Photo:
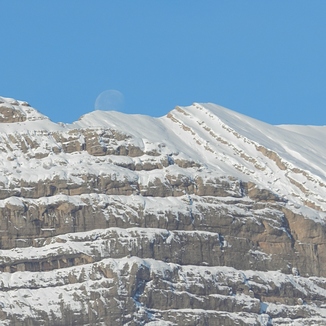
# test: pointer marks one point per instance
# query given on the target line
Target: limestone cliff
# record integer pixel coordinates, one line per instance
(201, 217)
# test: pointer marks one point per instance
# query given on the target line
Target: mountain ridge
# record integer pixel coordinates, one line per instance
(243, 146)
(203, 216)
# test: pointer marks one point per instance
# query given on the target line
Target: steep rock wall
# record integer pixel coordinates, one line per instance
(100, 226)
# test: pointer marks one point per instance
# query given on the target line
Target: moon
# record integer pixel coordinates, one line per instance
(110, 100)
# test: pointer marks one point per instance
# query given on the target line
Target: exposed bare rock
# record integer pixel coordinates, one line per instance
(202, 217)
(9, 114)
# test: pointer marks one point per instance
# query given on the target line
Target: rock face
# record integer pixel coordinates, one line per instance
(201, 217)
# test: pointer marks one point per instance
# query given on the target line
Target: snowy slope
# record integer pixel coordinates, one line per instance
(203, 214)
(288, 160)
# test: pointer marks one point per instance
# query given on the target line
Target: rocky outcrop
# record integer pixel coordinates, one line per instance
(189, 223)
(9, 115)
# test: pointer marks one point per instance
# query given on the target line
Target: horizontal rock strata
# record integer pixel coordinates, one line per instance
(186, 222)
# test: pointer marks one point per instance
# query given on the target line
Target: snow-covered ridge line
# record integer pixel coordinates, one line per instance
(255, 150)
(132, 220)
(13, 111)
(202, 135)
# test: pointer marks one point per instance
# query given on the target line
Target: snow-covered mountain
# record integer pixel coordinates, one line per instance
(201, 217)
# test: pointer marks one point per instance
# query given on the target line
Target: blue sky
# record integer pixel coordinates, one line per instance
(265, 59)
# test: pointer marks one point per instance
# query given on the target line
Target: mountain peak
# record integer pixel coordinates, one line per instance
(202, 216)
(12, 111)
